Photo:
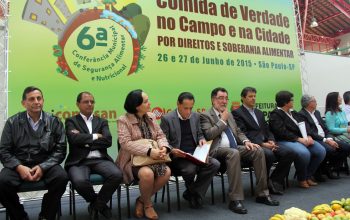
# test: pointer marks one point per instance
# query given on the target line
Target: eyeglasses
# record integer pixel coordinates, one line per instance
(222, 98)
(88, 101)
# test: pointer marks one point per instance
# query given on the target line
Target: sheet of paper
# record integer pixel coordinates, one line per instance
(302, 129)
(201, 152)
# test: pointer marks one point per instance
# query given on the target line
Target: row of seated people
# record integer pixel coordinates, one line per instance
(33, 145)
(247, 137)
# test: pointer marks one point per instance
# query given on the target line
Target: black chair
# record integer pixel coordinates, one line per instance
(344, 167)
(95, 179)
(35, 186)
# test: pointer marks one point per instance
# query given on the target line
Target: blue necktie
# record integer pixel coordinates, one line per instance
(231, 138)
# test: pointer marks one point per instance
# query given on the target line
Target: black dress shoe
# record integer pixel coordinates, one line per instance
(106, 212)
(187, 195)
(93, 212)
(267, 200)
(275, 188)
(237, 206)
(331, 176)
(196, 202)
(319, 178)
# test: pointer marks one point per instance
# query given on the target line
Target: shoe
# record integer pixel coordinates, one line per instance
(303, 184)
(310, 182)
(106, 212)
(187, 195)
(331, 176)
(267, 200)
(196, 202)
(139, 208)
(319, 178)
(150, 213)
(275, 188)
(93, 212)
(237, 206)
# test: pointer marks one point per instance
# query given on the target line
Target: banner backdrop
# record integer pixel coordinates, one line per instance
(110, 47)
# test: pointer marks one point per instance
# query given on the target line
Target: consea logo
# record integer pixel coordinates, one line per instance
(159, 112)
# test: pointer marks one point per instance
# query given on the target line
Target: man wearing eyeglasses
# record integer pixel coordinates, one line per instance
(89, 137)
(229, 146)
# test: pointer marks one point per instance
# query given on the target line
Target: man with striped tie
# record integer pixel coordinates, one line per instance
(229, 146)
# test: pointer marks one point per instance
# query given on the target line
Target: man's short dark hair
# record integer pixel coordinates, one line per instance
(283, 97)
(30, 89)
(132, 100)
(80, 95)
(346, 97)
(246, 90)
(216, 90)
(185, 95)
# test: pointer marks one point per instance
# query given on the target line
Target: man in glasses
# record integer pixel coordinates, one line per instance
(89, 137)
(229, 146)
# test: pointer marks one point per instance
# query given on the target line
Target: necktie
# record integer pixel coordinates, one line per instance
(231, 138)
(229, 134)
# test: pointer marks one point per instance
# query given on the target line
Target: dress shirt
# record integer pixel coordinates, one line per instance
(180, 117)
(88, 122)
(320, 130)
(224, 142)
(35, 125)
(289, 115)
(346, 109)
(252, 113)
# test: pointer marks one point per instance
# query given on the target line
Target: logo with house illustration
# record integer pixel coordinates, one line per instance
(96, 41)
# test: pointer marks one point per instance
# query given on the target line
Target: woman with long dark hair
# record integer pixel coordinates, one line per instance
(336, 121)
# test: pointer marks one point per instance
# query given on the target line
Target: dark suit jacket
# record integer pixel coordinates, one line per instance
(212, 128)
(257, 134)
(283, 127)
(81, 144)
(170, 125)
(312, 126)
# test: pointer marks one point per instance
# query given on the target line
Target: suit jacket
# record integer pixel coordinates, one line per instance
(257, 133)
(212, 128)
(170, 125)
(312, 126)
(81, 144)
(128, 133)
(283, 127)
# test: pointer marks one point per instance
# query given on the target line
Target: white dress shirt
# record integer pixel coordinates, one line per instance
(346, 109)
(320, 130)
(88, 122)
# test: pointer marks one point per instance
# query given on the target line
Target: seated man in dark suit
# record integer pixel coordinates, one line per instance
(336, 151)
(88, 138)
(182, 129)
(32, 147)
(252, 122)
